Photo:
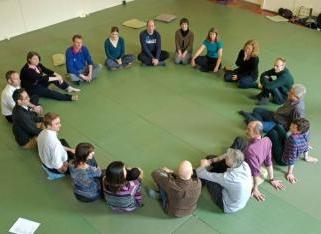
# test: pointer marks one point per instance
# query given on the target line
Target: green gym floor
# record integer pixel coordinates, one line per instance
(155, 117)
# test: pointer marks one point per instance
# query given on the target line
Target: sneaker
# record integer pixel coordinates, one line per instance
(74, 98)
(71, 89)
(262, 101)
(153, 193)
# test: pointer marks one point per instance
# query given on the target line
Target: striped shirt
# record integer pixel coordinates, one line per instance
(295, 145)
(127, 199)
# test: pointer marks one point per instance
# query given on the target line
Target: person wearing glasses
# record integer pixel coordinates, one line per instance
(115, 51)
(275, 84)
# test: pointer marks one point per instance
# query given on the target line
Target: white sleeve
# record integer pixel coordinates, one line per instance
(202, 173)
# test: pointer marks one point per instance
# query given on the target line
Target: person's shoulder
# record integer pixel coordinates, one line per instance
(142, 33)
(266, 140)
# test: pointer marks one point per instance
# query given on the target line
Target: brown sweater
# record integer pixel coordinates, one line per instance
(184, 43)
(182, 194)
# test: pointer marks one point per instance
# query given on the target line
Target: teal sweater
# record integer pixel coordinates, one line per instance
(115, 52)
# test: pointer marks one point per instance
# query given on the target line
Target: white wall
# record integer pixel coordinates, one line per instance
(294, 5)
(21, 16)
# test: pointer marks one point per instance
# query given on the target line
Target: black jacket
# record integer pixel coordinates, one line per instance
(24, 124)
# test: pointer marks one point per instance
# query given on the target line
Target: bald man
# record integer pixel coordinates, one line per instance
(179, 190)
(258, 153)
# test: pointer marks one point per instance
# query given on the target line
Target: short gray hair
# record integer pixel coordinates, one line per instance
(258, 126)
(299, 90)
(236, 155)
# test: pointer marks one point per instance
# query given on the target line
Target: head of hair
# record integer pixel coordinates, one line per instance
(212, 30)
(49, 117)
(114, 29)
(299, 90)
(82, 151)
(257, 127)
(17, 95)
(236, 155)
(184, 20)
(255, 46)
(76, 36)
(150, 20)
(115, 178)
(302, 124)
(9, 74)
(283, 60)
(30, 54)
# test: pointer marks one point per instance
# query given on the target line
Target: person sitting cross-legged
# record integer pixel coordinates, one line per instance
(259, 153)
(151, 47)
(287, 149)
(26, 124)
(231, 189)
(179, 190)
(79, 63)
(53, 152)
(246, 74)
(115, 51)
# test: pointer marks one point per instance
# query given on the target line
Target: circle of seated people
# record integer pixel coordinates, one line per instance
(231, 178)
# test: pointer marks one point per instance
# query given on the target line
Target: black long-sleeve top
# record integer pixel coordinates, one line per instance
(248, 67)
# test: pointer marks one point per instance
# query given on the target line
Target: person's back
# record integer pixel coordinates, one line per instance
(237, 188)
(182, 196)
(126, 199)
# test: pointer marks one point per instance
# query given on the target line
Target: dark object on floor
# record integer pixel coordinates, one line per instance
(286, 13)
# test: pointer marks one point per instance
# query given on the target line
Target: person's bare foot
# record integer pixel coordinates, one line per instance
(311, 159)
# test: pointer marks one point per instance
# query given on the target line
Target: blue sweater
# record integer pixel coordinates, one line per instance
(151, 44)
(77, 62)
(115, 52)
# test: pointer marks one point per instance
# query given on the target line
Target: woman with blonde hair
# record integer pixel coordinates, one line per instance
(247, 61)
(214, 46)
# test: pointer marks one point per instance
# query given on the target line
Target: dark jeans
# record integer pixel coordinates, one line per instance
(243, 82)
(215, 191)
(263, 115)
(164, 198)
(86, 199)
(206, 63)
(145, 59)
(279, 96)
(277, 136)
(44, 91)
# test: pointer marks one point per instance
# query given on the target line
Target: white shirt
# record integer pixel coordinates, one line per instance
(7, 102)
(236, 182)
(51, 151)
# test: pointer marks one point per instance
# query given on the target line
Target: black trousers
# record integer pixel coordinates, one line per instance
(206, 63)
(145, 59)
(277, 136)
(279, 96)
(43, 91)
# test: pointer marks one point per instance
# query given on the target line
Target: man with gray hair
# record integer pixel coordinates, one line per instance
(179, 190)
(232, 189)
(293, 108)
(259, 153)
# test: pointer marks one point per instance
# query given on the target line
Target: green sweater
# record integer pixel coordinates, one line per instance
(283, 81)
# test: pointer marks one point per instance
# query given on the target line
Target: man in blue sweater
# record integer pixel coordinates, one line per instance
(150, 41)
(79, 62)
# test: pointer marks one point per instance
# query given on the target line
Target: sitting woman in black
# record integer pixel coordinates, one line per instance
(36, 78)
(247, 61)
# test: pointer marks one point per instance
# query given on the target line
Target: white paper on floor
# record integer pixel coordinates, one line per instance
(24, 226)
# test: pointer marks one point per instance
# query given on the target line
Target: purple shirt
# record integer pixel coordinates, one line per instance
(257, 153)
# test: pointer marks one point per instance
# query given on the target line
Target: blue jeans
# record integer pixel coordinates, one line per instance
(243, 82)
(164, 198)
(95, 72)
(126, 60)
(262, 115)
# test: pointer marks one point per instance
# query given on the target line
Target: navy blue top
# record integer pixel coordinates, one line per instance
(150, 43)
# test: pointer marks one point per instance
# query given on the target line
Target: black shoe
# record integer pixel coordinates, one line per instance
(77, 82)
(263, 101)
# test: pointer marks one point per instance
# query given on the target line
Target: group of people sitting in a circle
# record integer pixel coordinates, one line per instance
(231, 178)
